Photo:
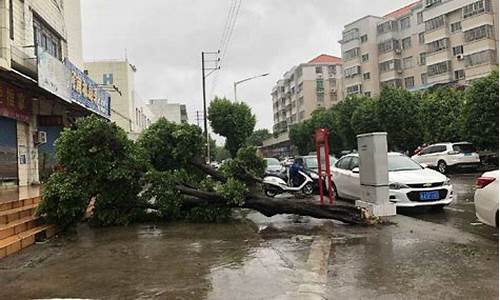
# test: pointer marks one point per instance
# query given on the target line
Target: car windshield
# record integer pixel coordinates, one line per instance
(272, 162)
(402, 163)
(312, 162)
(464, 148)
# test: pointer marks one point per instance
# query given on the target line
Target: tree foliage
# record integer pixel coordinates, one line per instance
(234, 121)
(100, 162)
(410, 119)
(481, 112)
(258, 137)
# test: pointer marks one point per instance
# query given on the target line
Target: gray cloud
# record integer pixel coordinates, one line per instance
(164, 39)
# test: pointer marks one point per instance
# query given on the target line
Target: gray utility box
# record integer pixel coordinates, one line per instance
(374, 174)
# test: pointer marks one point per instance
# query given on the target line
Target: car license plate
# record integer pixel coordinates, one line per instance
(434, 195)
(467, 154)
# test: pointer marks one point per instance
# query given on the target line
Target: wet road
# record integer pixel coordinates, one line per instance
(460, 213)
(424, 255)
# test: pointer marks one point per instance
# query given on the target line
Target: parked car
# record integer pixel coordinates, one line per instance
(410, 184)
(486, 198)
(311, 162)
(273, 166)
(446, 156)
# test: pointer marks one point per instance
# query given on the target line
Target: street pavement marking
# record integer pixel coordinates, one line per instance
(314, 278)
(454, 209)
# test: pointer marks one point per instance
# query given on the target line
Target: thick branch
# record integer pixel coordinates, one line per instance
(274, 206)
(209, 170)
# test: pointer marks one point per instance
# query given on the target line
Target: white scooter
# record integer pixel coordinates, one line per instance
(274, 185)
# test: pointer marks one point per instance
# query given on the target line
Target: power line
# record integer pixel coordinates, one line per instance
(231, 20)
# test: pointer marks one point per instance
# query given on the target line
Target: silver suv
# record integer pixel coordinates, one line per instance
(444, 156)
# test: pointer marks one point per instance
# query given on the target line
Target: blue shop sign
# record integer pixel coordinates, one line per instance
(87, 93)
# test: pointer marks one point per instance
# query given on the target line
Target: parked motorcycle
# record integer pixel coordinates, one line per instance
(275, 185)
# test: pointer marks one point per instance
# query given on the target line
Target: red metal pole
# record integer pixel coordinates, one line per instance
(318, 156)
(328, 171)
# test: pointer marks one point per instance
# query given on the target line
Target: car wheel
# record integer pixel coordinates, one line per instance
(308, 189)
(442, 166)
(335, 193)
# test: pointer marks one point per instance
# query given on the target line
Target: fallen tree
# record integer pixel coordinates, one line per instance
(163, 175)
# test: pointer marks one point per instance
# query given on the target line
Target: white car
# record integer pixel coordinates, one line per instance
(486, 198)
(410, 184)
(444, 156)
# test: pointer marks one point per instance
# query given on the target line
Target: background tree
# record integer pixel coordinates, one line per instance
(441, 115)
(398, 112)
(258, 137)
(481, 112)
(364, 119)
(234, 121)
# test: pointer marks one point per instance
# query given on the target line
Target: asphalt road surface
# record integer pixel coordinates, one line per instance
(461, 213)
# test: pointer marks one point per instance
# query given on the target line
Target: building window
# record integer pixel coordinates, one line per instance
(320, 97)
(423, 58)
(459, 74)
(390, 65)
(437, 45)
(408, 62)
(404, 23)
(11, 19)
(423, 78)
(319, 70)
(458, 50)
(420, 18)
(409, 82)
(332, 70)
(457, 26)
(354, 89)
(364, 38)
(406, 43)
(350, 54)
(364, 57)
(393, 82)
(350, 35)
(485, 31)
(429, 3)
(486, 56)
(421, 38)
(320, 88)
(46, 39)
(352, 71)
(476, 8)
(107, 79)
(388, 45)
(366, 76)
(439, 68)
(434, 23)
(387, 27)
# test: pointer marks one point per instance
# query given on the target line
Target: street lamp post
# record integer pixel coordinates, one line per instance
(244, 80)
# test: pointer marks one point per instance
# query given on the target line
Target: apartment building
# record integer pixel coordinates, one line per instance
(305, 88)
(41, 90)
(173, 112)
(420, 45)
(461, 38)
(118, 78)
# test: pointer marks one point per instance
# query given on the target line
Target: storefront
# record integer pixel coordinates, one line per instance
(15, 110)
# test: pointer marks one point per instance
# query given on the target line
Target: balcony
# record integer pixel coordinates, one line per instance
(438, 56)
(477, 20)
(437, 34)
(479, 45)
(24, 61)
(478, 71)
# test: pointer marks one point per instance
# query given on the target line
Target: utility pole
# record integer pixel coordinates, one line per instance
(203, 77)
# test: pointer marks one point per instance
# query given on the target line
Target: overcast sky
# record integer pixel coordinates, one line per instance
(164, 39)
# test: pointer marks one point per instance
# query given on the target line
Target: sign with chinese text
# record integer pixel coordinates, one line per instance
(14, 102)
(53, 75)
(87, 93)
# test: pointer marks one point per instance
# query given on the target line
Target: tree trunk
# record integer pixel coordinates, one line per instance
(275, 206)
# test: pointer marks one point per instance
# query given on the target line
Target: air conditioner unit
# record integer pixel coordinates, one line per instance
(40, 137)
(460, 57)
